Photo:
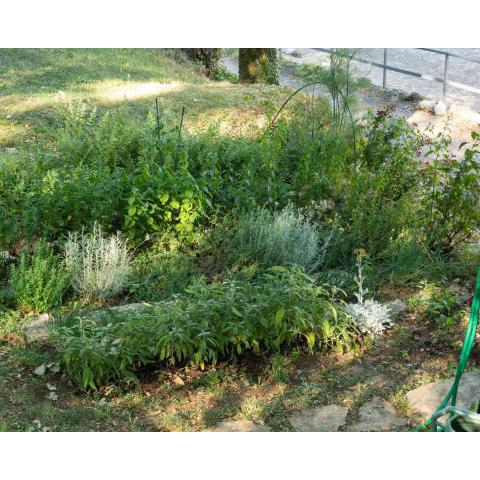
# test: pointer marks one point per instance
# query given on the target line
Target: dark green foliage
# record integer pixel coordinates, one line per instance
(161, 271)
(209, 58)
(452, 200)
(39, 280)
(208, 323)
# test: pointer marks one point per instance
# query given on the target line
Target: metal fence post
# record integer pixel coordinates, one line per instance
(384, 69)
(445, 76)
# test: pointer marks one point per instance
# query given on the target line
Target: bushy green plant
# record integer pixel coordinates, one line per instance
(206, 324)
(384, 186)
(39, 280)
(279, 238)
(98, 266)
(160, 271)
(11, 322)
(452, 197)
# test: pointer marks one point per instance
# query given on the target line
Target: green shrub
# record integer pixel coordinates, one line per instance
(279, 238)
(11, 322)
(209, 58)
(98, 266)
(379, 206)
(451, 211)
(39, 280)
(206, 324)
(160, 272)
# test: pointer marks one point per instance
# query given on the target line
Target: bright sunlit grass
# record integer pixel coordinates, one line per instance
(35, 83)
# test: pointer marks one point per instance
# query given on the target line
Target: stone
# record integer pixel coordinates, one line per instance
(440, 108)
(324, 419)
(377, 415)
(178, 381)
(398, 306)
(240, 426)
(37, 327)
(427, 398)
(130, 307)
(6, 257)
(427, 105)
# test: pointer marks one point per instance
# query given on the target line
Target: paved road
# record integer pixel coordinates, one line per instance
(418, 61)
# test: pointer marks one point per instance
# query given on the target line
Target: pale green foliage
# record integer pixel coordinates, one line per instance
(370, 316)
(99, 266)
(280, 238)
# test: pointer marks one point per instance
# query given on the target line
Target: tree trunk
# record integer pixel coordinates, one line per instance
(208, 57)
(257, 65)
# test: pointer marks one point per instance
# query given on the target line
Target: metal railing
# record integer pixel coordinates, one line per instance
(445, 81)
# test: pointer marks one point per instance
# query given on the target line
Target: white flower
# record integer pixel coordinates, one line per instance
(52, 396)
(40, 370)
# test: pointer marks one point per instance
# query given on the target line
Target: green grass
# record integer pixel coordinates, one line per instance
(34, 83)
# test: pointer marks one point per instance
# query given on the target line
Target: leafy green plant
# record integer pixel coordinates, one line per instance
(11, 322)
(39, 281)
(452, 200)
(204, 325)
(161, 271)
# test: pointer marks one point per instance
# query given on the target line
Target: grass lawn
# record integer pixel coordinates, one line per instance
(35, 83)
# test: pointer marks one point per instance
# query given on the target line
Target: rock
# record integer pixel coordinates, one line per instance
(40, 370)
(427, 105)
(379, 380)
(11, 150)
(128, 307)
(324, 419)
(240, 426)
(36, 328)
(5, 256)
(377, 415)
(398, 306)
(177, 380)
(426, 399)
(440, 108)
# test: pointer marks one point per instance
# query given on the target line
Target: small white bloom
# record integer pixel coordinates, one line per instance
(40, 370)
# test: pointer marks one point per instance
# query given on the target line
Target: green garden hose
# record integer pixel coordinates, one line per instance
(464, 355)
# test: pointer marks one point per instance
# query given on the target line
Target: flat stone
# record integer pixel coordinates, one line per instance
(377, 415)
(324, 419)
(427, 105)
(240, 426)
(36, 328)
(426, 399)
(398, 306)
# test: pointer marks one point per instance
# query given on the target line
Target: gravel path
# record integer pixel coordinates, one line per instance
(415, 60)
